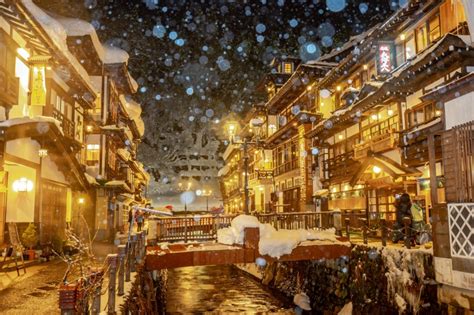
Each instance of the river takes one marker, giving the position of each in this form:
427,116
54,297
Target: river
219,290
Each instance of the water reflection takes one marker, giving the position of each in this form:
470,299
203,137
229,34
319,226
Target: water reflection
218,290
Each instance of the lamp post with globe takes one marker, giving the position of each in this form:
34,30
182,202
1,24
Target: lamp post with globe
204,193
255,124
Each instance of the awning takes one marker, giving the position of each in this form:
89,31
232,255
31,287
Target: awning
389,166
118,184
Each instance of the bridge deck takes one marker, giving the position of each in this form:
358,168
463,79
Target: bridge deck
183,255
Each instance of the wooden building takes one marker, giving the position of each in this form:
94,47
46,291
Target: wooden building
375,146
49,99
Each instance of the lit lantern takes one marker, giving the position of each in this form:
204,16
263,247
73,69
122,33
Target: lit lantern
22,185
376,169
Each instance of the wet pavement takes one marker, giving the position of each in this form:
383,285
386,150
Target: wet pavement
219,290
34,292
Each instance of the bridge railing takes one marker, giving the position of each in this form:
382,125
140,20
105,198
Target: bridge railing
204,227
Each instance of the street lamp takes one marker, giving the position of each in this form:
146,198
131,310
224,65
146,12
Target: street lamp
204,193
255,124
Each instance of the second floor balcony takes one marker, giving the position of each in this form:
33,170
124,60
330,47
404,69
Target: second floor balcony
67,125
286,167
378,143
340,168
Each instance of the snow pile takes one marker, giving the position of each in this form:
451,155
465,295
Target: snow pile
346,310
272,242
405,271
303,301
114,54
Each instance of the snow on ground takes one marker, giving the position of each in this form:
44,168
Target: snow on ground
272,242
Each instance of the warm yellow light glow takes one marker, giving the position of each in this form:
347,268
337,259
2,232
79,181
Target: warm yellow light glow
89,128
338,88
374,116
341,137
438,113
81,200
376,169
42,153
309,88
322,104
402,36
390,112
366,67
22,185
23,52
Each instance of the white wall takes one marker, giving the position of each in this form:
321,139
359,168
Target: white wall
20,205
49,170
459,110
24,148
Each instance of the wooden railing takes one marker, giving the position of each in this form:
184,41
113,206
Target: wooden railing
286,167
202,228
66,125
378,143
9,87
342,166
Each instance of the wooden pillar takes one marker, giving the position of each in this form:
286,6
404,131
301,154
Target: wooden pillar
128,258
306,183
112,262
432,166
133,252
121,272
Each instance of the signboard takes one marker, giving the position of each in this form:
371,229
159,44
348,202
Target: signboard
264,174
385,58
38,86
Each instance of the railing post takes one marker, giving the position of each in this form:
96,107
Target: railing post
348,228
112,261
128,259
407,223
133,252
96,278
185,229
383,225
121,273
364,230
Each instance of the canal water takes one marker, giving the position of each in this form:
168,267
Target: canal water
219,290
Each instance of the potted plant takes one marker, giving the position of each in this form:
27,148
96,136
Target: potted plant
30,239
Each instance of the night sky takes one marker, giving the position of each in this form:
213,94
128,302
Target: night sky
198,61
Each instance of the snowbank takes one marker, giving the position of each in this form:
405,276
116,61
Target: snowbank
272,242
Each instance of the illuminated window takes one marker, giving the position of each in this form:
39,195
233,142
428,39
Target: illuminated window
434,27
93,152
421,38
410,48
287,67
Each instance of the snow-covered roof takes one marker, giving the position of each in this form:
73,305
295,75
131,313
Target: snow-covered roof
77,27
134,111
27,120
114,54
223,171
124,154
57,33
91,180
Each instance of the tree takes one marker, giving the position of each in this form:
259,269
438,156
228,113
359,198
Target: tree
30,236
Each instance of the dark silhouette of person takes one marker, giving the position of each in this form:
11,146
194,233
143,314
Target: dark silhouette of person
403,209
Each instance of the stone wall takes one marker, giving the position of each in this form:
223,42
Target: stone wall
376,280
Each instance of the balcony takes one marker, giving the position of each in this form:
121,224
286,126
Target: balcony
261,175
9,86
379,143
340,168
286,167
66,125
